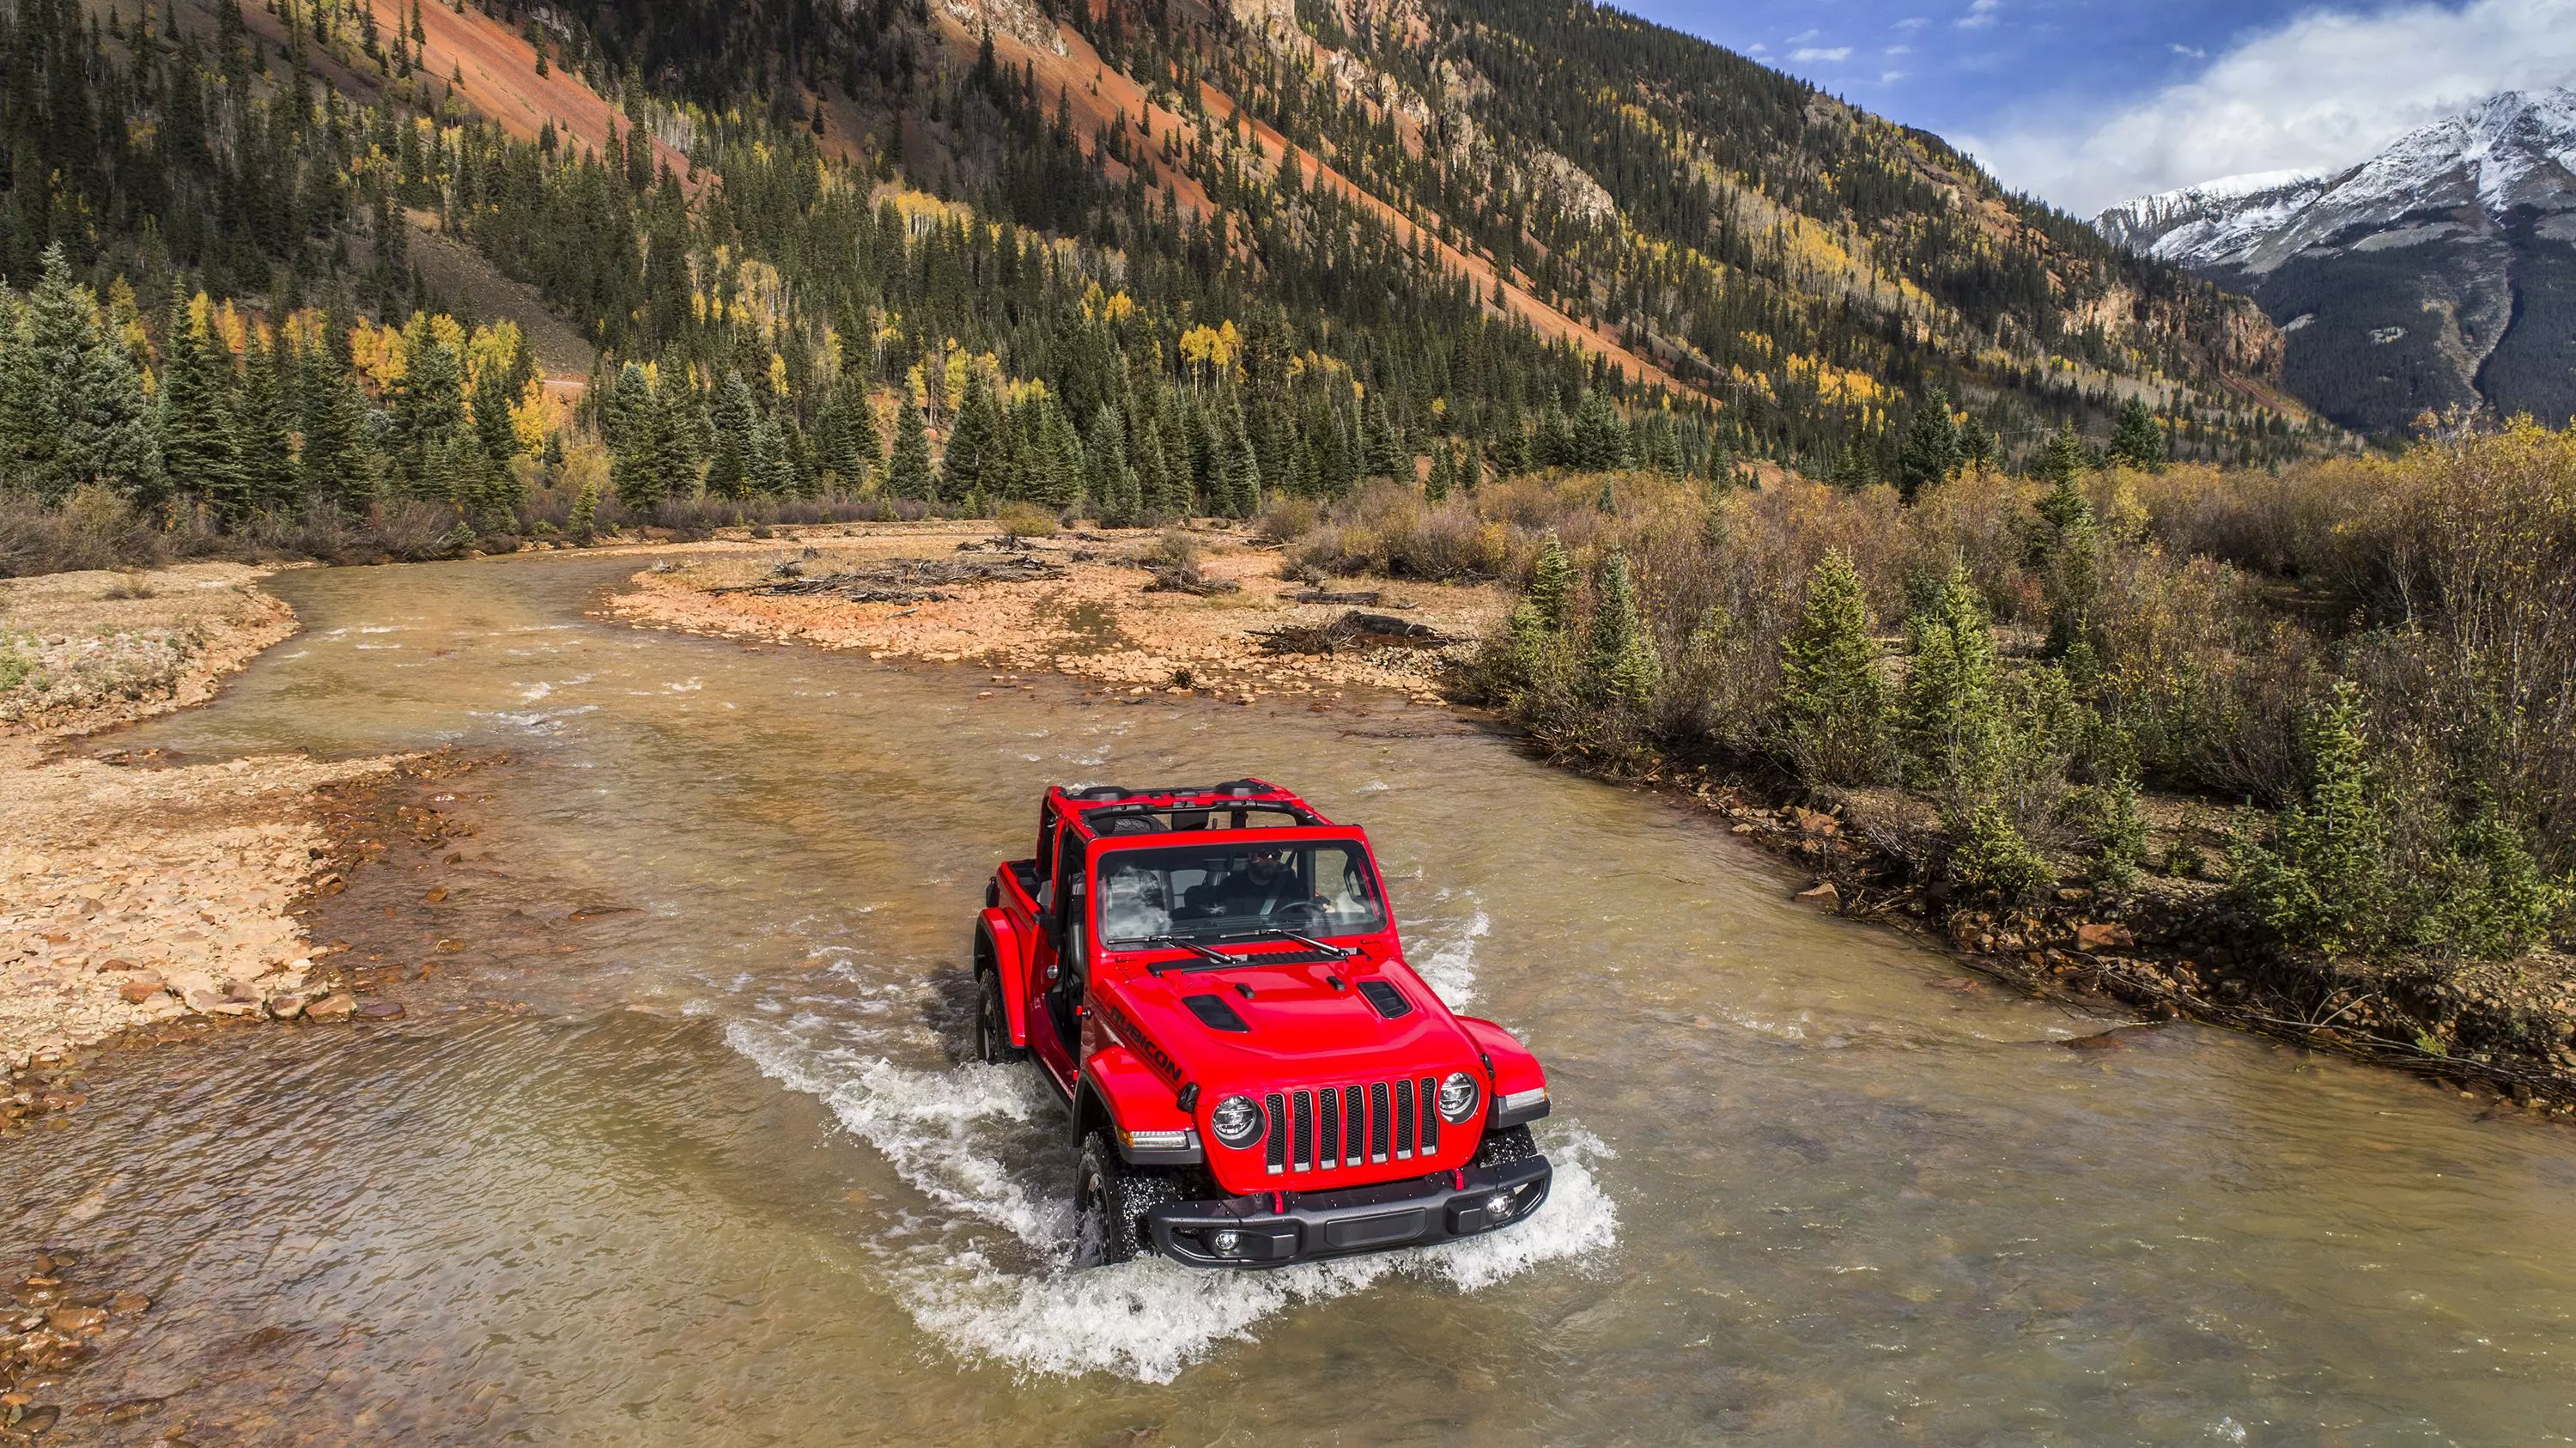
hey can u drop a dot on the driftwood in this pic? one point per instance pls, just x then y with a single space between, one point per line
1353 630
1364 598
1186 578
908 580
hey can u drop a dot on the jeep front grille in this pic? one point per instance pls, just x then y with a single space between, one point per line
1326 1128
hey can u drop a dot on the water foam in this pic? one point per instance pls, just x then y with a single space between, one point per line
1450 970
947 1133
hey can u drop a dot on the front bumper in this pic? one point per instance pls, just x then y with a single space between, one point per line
1274 1229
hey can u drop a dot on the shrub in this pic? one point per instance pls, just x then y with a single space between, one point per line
1026 520
2319 874
1833 703
1989 858
1620 667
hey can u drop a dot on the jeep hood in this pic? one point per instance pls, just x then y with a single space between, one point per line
1291 1022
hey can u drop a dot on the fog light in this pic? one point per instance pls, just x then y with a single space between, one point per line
1501 1204
1227 1244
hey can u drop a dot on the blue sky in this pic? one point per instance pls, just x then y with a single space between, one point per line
2087 102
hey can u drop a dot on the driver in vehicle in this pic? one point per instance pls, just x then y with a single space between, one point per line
1265 887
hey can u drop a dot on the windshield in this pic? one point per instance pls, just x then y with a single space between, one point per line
1195 892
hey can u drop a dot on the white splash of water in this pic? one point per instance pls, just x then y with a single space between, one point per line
1450 970
1150 1319
947 1133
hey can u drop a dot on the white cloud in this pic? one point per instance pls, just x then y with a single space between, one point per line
2322 91
1890 77
1825 53
1980 14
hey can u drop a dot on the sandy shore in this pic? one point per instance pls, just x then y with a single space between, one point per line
1102 618
131 892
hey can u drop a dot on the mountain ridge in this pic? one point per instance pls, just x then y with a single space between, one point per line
2438 273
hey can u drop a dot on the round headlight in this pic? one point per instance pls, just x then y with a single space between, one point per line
1236 1121
1457 1098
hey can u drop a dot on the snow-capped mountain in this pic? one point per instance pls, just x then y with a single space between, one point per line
2441 271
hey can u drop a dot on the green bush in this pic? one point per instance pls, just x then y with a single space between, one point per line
2319 874
1620 666
1990 858
1833 703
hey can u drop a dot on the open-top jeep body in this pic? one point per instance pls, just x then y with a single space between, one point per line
1210 980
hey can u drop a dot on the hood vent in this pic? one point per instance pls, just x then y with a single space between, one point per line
1215 1014
1389 1001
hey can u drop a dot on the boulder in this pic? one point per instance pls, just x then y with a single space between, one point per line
332 1007
2093 937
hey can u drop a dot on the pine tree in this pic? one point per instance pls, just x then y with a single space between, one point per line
2135 438
773 464
644 462
731 418
1551 589
261 429
1242 469
1950 707
331 467
113 434
197 444
2061 458
974 442
1931 455
1600 441
2321 876
1383 449
908 473
1443 475
1620 666
1833 702
1059 471
1106 474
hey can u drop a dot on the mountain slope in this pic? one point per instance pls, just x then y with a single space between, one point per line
2440 273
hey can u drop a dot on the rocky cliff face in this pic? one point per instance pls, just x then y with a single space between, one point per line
2441 272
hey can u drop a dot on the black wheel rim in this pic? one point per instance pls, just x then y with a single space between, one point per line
1091 1223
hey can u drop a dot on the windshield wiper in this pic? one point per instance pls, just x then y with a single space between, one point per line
1209 959
1338 952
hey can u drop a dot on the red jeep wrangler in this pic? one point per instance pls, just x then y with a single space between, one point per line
1211 981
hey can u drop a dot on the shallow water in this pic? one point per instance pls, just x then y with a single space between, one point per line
726 1180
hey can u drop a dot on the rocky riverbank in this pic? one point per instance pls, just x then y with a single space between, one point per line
1204 611
134 888
2175 948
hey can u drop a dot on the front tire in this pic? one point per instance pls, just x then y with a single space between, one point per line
992 1025
1110 1200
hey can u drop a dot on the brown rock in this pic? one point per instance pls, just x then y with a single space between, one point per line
1824 896
331 1007
140 988
76 1319
436 895
379 1010
118 964
286 1005
2092 937
127 1304
1812 822
1745 829
38 1420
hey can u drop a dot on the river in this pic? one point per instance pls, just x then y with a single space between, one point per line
728 1178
